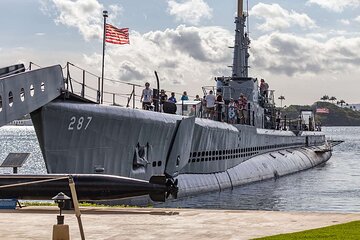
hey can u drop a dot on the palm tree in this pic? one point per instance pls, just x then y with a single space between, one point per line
281 98
342 102
325 98
332 99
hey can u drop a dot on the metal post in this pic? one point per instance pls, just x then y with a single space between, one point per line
98 91
134 96
240 8
249 115
83 85
253 118
113 98
105 15
157 102
67 76
182 107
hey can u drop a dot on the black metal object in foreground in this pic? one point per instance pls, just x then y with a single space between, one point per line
88 187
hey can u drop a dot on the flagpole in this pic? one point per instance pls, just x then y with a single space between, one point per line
105 15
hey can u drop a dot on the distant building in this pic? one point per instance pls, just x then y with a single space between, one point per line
355 107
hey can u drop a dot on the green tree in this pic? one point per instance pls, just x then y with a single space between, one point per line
332 99
325 98
342 102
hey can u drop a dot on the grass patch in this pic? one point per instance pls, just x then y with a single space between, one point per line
347 231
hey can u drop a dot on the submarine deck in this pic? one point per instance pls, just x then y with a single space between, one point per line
154 223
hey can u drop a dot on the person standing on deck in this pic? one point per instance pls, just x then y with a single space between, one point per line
264 87
172 98
210 104
146 97
232 111
163 98
219 104
184 97
197 98
242 105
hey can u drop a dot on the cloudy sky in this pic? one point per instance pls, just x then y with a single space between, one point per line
304 49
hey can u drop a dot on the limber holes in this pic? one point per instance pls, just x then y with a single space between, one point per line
22 94
11 99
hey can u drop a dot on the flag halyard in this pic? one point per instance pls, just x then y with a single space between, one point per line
116 35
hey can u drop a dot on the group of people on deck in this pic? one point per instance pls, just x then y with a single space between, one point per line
147 97
215 108
235 111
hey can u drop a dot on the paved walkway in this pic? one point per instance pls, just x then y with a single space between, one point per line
151 223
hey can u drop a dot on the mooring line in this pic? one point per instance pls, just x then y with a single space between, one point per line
33 182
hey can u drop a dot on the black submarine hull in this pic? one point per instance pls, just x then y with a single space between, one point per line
88 187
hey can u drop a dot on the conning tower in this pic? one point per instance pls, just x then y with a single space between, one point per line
239 83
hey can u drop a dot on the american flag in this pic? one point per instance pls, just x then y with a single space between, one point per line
322 110
116 35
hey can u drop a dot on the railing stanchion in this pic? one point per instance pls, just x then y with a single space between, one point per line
98 91
133 96
182 107
83 85
67 76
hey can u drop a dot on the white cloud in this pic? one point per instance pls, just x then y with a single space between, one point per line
281 53
189 11
335 5
345 21
319 36
42 58
85 15
39 34
277 18
181 55
357 19
114 12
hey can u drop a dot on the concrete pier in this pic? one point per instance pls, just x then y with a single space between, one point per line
152 223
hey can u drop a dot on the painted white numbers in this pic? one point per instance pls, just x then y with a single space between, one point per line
72 122
88 122
79 124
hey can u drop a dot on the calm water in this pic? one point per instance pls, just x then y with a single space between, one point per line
334 186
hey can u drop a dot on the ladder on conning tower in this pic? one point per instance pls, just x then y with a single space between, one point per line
24 92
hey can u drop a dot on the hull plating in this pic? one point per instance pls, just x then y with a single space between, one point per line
205 155
262 167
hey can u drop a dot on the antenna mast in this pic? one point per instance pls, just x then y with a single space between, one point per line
240 8
241 55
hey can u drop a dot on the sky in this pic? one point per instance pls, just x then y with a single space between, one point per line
304 49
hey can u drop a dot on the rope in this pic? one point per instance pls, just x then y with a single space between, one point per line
33 182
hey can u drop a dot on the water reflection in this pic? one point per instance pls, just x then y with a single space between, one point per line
21 139
333 186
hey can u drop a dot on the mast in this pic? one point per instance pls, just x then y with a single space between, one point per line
105 15
241 48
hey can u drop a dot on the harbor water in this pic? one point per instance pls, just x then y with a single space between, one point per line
334 186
